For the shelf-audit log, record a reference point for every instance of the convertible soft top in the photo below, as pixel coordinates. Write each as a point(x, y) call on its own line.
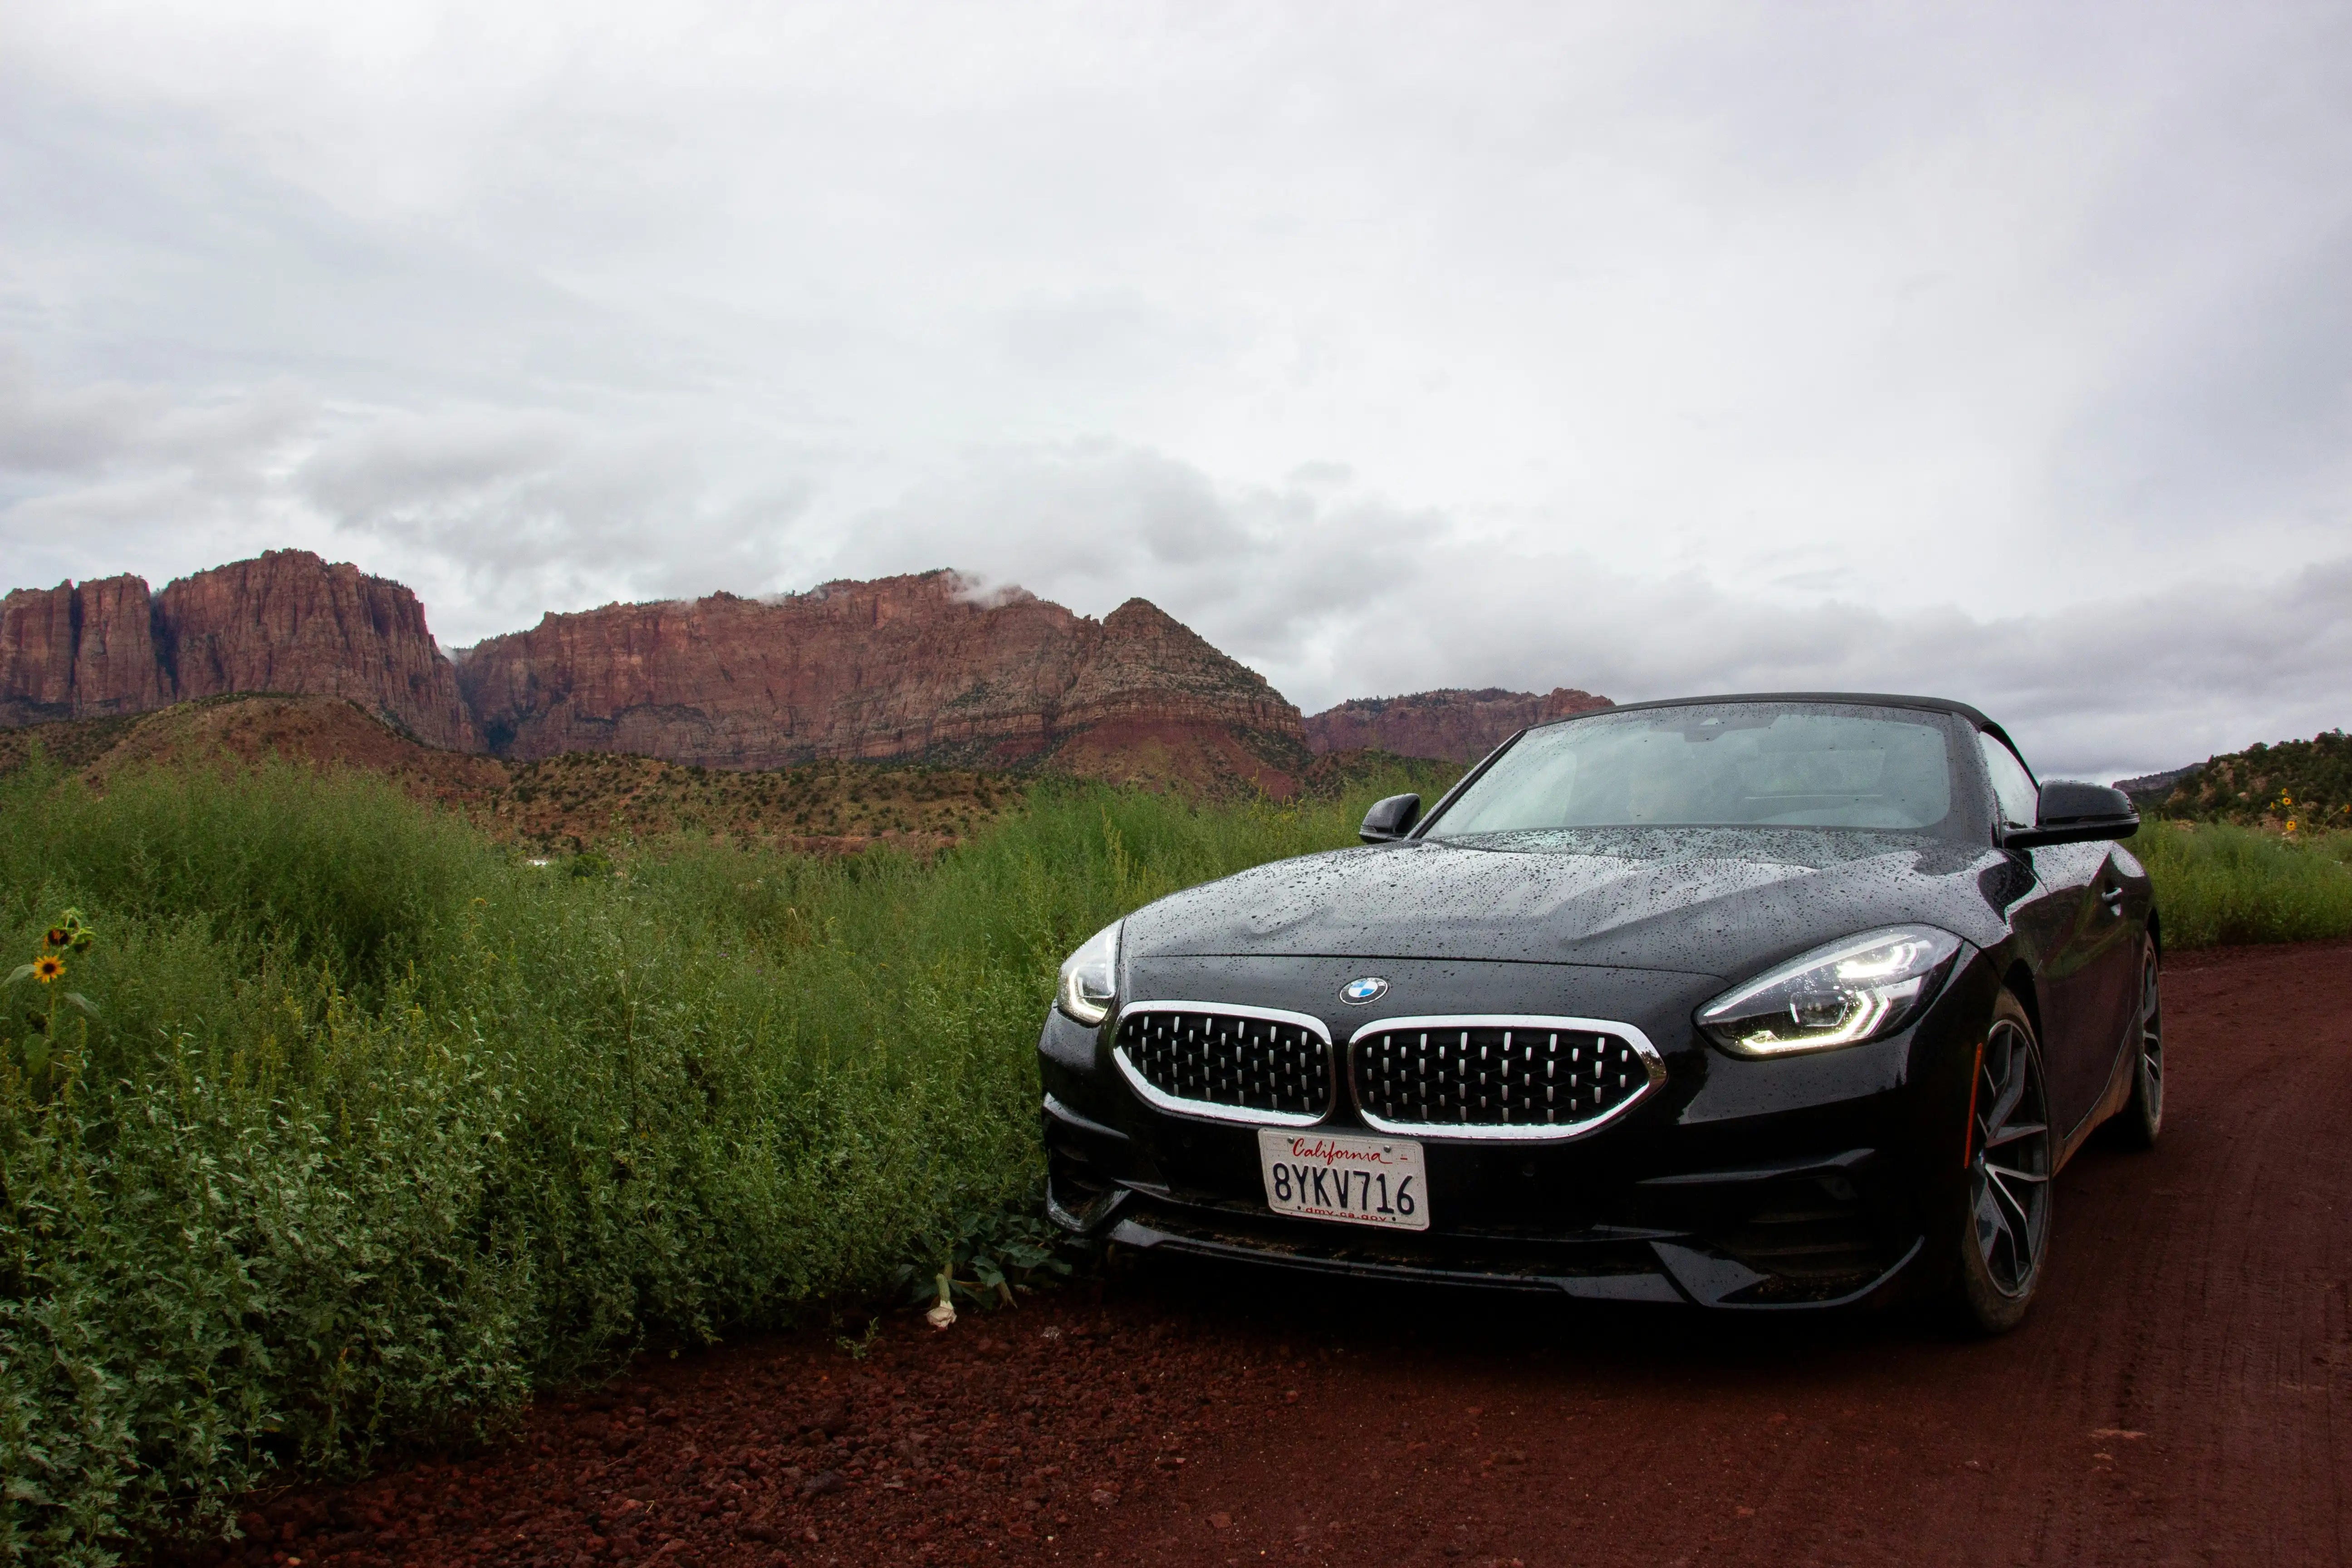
point(1874, 698)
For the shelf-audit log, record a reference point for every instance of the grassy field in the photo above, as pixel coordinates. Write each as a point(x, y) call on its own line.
point(2218, 884)
point(370, 1127)
point(375, 1126)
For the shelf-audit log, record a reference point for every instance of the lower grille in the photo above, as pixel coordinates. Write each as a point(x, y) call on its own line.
point(1522, 1078)
point(1244, 1067)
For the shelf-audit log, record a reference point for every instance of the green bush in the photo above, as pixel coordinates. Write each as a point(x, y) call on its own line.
point(2217, 884)
point(376, 1127)
point(2295, 783)
point(346, 872)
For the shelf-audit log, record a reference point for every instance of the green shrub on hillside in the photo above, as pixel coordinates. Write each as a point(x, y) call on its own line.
point(375, 1128)
point(2305, 783)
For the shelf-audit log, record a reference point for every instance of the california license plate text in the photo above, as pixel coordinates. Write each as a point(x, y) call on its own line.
point(1356, 1181)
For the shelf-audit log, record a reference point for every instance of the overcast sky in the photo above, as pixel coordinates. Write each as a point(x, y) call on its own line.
point(1999, 352)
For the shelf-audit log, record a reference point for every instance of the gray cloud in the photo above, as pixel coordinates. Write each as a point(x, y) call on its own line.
point(1639, 348)
point(1336, 597)
point(532, 511)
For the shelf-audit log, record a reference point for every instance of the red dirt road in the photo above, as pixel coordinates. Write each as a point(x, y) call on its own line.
point(2182, 1394)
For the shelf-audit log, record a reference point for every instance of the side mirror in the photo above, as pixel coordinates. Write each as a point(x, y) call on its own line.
point(2073, 813)
point(1390, 819)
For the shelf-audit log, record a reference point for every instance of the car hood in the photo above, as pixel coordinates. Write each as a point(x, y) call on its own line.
point(1714, 901)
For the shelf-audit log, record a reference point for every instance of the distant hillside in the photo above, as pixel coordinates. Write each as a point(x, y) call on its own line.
point(1449, 723)
point(2149, 789)
point(585, 800)
point(923, 668)
point(555, 804)
point(2307, 783)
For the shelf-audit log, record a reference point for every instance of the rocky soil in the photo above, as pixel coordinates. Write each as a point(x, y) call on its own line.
point(590, 800)
point(989, 1443)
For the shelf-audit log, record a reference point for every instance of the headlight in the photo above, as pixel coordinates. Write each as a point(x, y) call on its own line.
point(1090, 978)
point(1841, 994)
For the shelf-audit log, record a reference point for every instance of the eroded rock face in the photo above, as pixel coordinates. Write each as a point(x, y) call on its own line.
point(79, 651)
point(286, 622)
point(914, 667)
point(1460, 726)
point(289, 622)
point(900, 667)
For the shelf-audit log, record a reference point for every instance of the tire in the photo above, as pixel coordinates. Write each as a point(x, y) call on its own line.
point(2142, 1117)
point(2003, 1230)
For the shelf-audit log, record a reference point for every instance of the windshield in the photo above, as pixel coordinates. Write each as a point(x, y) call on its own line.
point(1726, 764)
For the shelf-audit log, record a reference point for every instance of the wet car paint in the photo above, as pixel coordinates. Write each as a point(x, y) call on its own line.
point(1642, 926)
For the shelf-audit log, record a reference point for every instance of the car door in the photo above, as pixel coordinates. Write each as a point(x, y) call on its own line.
point(2106, 953)
point(2059, 925)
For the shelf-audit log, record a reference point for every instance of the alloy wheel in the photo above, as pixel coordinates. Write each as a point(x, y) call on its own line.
point(2151, 1040)
point(2009, 1179)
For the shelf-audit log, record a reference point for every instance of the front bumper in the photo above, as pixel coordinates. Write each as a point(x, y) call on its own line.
point(1811, 1182)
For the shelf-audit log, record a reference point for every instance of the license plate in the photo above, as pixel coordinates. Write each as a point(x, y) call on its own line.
point(1356, 1181)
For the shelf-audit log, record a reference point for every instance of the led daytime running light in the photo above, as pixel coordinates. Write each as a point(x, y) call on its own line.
point(1089, 986)
point(1852, 991)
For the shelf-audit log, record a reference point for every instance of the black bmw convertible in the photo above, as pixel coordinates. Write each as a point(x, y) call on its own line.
point(1770, 1001)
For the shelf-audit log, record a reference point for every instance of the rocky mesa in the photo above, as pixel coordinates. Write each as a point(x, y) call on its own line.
point(915, 666)
point(285, 621)
point(918, 667)
point(1454, 724)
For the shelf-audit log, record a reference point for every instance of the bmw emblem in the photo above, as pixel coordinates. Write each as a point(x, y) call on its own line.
point(1370, 988)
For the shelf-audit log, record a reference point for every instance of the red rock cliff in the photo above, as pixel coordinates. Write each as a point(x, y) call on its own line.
point(288, 622)
point(79, 651)
point(901, 667)
point(1460, 726)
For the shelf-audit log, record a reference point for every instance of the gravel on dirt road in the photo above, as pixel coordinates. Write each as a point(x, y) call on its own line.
point(2182, 1394)
point(984, 1443)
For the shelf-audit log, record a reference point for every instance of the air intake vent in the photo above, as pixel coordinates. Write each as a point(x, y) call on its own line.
point(1498, 1078)
point(1236, 1067)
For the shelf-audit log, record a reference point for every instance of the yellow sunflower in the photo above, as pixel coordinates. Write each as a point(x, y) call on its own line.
point(48, 967)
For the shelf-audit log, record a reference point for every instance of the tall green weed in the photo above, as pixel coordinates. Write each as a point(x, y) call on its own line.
point(348, 872)
point(2217, 884)
point(376, 1127)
